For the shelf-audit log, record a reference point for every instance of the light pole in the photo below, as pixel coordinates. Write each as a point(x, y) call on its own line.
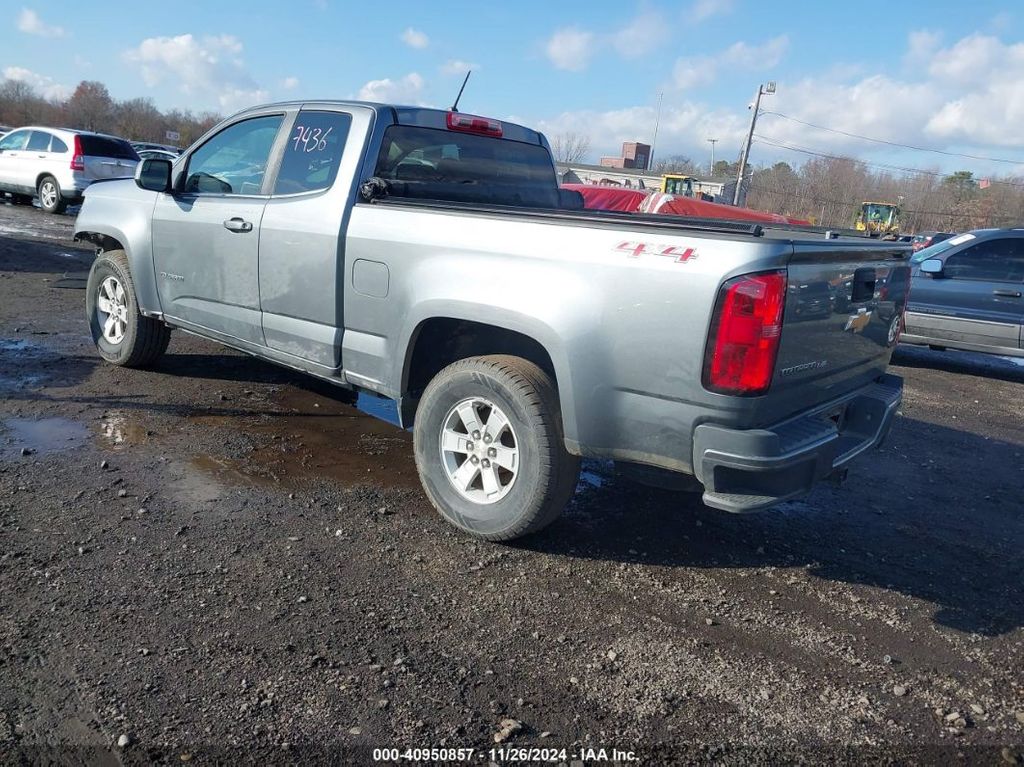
point(712, 141)
point(654, 142)
point(765, 89)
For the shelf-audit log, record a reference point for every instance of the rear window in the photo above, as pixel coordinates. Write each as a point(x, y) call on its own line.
point(449, 165)
point(102, 146)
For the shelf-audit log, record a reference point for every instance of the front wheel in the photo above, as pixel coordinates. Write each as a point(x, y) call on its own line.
point(50, 198)
point(490, 449)
point(123, 336)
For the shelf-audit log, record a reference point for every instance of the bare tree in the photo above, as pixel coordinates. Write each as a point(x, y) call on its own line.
point(140, 120)
point(90, 106)
point(570, 147)
point(678, 164)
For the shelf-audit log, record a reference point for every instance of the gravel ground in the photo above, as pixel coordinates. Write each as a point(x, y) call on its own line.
point(218, 559)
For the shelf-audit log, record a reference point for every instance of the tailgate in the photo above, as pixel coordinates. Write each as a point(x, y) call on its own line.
point(107, 157)
point(842, 316)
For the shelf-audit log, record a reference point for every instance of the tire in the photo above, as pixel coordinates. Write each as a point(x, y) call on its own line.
point(134, 341)
point(50, 198)
point(545, 476)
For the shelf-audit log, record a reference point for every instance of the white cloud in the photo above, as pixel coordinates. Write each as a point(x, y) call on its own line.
point(290, 83)
point(764, 56)
point(695, 72)
point(407, 90)
point(210, 67)
point(692, 73)
point(44, 85)
point(705, 9)
point(458, 67)
point(961, 97)
point(684, 129)
point(921, 45)
point(570, 48)
point(976, 60)
point(30, 23)
point(964, 97)
point(414, 38)
point(647, 31)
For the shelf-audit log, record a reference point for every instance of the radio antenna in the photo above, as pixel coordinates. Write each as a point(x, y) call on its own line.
point(455, 106)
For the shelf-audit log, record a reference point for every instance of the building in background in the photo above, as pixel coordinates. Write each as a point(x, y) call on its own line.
point(634, 155)
point(582, 173)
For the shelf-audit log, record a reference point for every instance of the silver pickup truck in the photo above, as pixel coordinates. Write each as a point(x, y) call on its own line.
point(430, 257)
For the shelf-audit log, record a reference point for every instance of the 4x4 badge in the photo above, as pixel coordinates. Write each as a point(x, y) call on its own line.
point(637, 249)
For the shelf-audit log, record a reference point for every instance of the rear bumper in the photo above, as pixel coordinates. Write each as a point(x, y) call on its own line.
point(752, 469)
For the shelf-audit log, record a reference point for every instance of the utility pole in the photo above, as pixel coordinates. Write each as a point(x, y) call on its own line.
point(712, 141)
point(762, 90)
point(654, 143)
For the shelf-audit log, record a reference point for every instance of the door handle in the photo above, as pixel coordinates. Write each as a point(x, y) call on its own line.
point(237, 224)
point(1006, 293)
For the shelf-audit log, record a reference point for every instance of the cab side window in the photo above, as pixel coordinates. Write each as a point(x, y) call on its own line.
point(38, 142)
point(235, 160)
point(15, 140)
point(313, 152)
point(999, 260)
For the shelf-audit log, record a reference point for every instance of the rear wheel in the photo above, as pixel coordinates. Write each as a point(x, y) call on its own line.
point(490, 449)
point(123, 336)
point(50, 198)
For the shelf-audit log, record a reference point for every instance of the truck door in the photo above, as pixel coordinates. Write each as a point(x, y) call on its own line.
point(206, 233)
point(977, 299)
point(302, 244)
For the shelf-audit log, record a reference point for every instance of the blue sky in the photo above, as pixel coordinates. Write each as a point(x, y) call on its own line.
point(950, 77)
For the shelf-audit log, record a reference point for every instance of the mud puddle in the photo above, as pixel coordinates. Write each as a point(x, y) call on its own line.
point(119, 431)
point(39, 436)
point(317, 438)
point(15, 356)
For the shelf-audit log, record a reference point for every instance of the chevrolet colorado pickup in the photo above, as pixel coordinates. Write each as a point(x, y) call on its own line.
point(430, 257)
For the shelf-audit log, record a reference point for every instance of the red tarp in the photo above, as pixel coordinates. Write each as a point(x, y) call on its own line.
point(597, 197)
point(608, 197)
point(687, 206)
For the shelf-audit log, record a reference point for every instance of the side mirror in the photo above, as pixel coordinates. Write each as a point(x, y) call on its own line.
point(932, 266)
point(154, 175)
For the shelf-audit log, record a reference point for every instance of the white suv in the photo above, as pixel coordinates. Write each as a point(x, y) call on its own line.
point(59, 164)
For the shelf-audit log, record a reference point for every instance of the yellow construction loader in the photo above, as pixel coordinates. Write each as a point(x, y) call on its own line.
point(878, 218)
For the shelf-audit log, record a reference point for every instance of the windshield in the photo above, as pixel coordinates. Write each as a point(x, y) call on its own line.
point(683, 186)
point(933, 250)
point(874, 211)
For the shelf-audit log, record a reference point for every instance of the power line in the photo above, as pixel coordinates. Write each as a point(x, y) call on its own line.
point(903, 169)
point(893, 143)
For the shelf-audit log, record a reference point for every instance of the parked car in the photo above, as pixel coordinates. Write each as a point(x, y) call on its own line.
point(156, 154)
point(967, 293)
point(927, 239)
point(140, 146)
point(430, 257)
point(58, 165)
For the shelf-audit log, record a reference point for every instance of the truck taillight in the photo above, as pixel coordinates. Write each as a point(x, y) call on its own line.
point(78, 159)
point(485, 126)
point(745, 332)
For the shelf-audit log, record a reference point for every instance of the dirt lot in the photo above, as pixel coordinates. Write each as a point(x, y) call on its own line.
point(217, 558)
